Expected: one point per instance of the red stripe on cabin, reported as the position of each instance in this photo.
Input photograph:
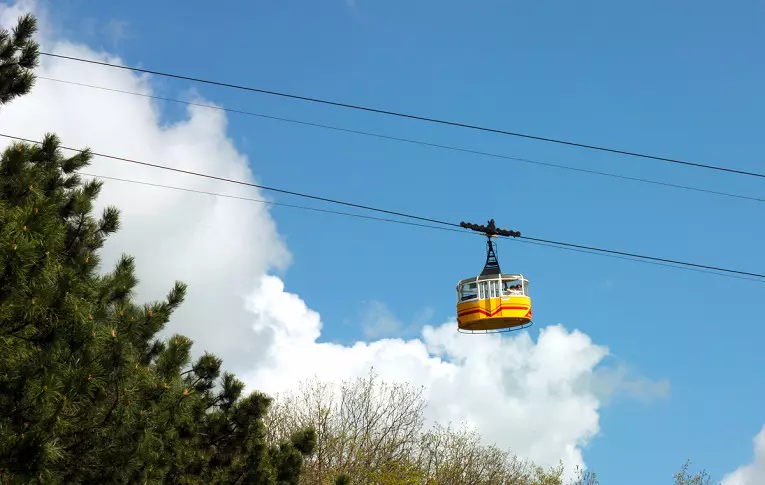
(499, 309)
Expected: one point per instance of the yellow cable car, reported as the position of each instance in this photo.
(493, 302)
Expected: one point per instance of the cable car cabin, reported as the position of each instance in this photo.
(492, 303)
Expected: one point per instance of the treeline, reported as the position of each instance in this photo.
(89, 393)
(370, 431)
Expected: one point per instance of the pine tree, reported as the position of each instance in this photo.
(88, 393)
(18, 56)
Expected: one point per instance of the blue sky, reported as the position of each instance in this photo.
(679, 79)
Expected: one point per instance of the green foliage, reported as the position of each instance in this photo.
(343, 479)
(19, 54)
(88, 393)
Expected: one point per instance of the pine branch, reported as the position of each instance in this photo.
(116, 401)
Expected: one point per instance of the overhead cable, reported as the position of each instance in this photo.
(401, 214)
(410, 116)
(406, 140)
(416, 224)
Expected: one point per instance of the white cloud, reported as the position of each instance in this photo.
(536, 398)
(754, 472)
(379, 321)
(621, 379)
(541, 398)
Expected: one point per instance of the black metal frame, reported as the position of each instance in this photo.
(490, 230)
(492, 263)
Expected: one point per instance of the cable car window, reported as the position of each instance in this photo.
(494, 286)
(483, 286)
(469, 291)
(513, 287)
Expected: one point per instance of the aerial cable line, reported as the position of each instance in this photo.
(401, 214)
(410, 116)
(280, 204)
(406, 140)
(239, 182)
(416, 224)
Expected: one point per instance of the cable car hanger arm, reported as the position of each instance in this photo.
(490, 230)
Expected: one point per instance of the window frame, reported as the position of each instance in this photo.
(484, 289)
(517, 279)
(461, 291)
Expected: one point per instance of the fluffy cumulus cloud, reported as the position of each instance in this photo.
(540, 398)
(754, 472)
(378, 321)
(219, 246)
